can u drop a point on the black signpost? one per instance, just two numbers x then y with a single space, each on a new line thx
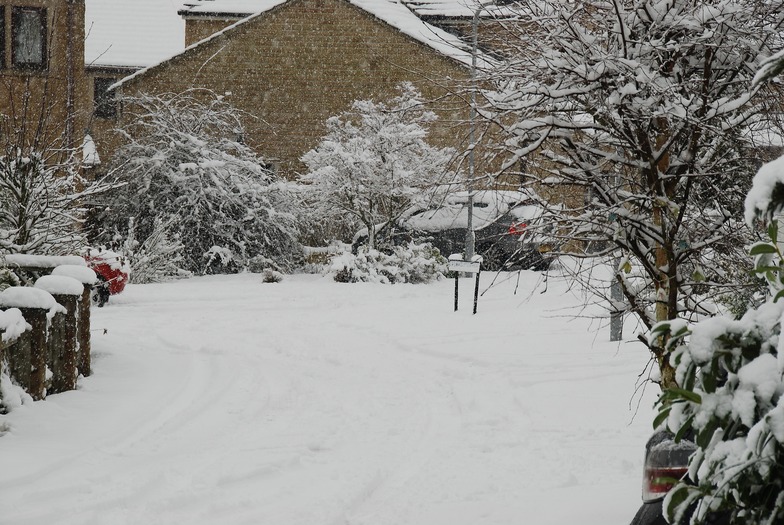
458 266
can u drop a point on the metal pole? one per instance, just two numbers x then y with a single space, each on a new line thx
616 317
470 240
476 289
457 288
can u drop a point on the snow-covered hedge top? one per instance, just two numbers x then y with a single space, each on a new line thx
26 297
759 200
12 324
82 274
60 285
41 261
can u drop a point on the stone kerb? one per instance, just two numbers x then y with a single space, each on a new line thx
87 277
62 343
27 356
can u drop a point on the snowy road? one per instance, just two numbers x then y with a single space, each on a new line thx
223 400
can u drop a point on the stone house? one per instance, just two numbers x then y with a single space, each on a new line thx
57 57
292 64
43 86
122 37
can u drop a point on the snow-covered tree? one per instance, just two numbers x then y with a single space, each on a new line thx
646 107
192 188
374 163
39 211
42 193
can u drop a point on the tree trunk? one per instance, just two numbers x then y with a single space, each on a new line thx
664 281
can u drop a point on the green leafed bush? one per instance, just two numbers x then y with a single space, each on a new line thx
729 401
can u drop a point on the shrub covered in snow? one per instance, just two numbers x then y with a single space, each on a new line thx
730 374
156 258
268 275
199 198
11 395
373 164
415 263
39 204
8 278
12 325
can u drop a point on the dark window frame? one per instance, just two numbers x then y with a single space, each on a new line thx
16 15
105 103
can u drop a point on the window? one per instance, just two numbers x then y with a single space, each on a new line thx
29 37
105 100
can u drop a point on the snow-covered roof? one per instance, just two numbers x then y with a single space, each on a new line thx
132 33
457 8
446 8
393 12
228 7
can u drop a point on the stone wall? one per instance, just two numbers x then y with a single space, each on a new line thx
197 29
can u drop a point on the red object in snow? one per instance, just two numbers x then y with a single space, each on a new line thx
517 228
110 268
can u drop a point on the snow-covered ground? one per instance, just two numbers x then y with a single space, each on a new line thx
223 400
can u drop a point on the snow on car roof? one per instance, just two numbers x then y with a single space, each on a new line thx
494 197
488 206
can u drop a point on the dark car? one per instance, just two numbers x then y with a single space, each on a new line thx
666 460
509 227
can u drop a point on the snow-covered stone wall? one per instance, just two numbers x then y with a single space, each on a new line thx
45 341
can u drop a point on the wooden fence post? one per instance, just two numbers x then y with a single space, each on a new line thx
62 355
35 353
87 277
28 356
63 346
19 356
83 363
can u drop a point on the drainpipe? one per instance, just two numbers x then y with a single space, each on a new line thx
70 61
